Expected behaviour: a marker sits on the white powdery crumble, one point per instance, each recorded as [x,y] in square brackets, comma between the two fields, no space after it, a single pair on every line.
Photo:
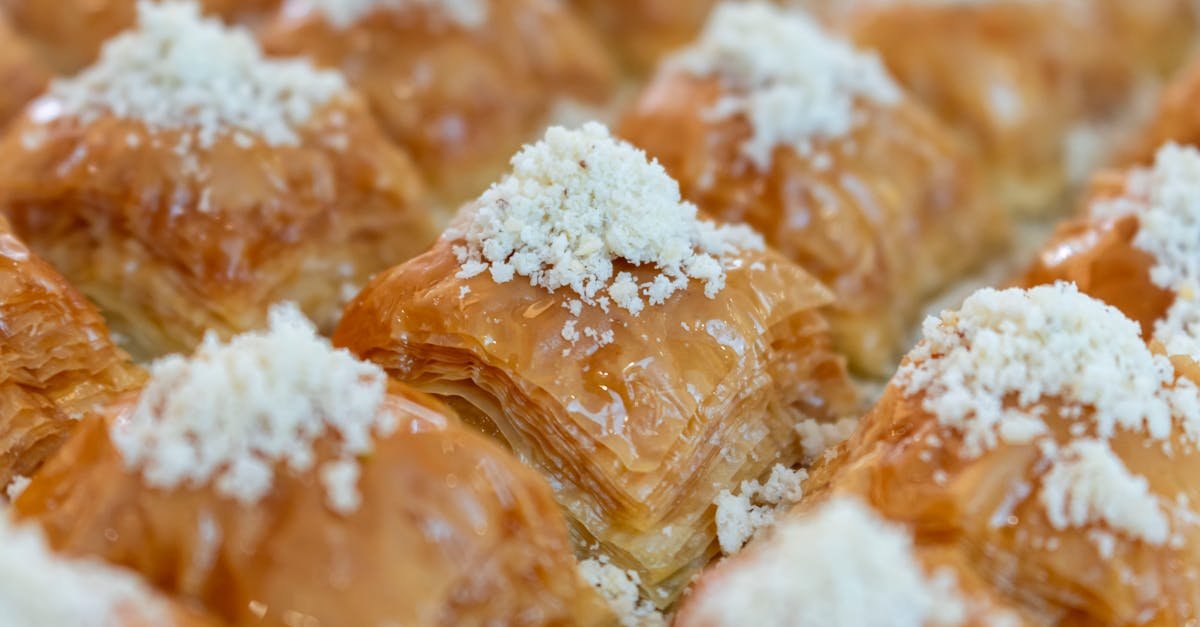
[841,565]
[741,516]
[791,80]
[985,369]
[343,14]
[41,589]
[232,412]
[817,438]
[1166,201]
[1089,484]
[578,201]
[180,71]
[619,588]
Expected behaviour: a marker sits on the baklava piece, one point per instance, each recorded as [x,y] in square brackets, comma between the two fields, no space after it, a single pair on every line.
[1042,457]
[643,31]
[69,34]
[461,84]
[186,183]
[57,363]
[41,589]
[768,120]
[1033,86]
[639,356]
[839,564]
[21,72]
[1136,247]
[276,481]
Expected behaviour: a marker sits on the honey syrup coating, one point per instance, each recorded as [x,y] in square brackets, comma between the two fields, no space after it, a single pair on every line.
[451,530]
[57,363]
[68,34]
[1097,253]
[644,31]
[459,97]
[885,216]
[1018,79]
[21,72]
[171,241]
[1088,521]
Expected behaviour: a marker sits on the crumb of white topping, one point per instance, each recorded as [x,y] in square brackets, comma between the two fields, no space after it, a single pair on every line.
[985,369]
[794,82]
[619,588]
[577,203]
[178,70]
[233,412]
[740,517]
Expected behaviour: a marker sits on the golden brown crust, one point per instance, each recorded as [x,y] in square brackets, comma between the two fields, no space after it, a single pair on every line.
[460,100]
[1097,253]
[896,214]
[57,363]
[68,34]
[451,531]
[643,31]
[629,431]
[986,512]
[172,242]
[1015,78]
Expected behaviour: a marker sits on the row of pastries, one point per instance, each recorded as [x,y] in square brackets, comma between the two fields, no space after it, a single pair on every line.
[294,330]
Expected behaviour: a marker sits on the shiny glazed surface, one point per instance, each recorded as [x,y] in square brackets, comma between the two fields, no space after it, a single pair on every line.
[451,531]
[1097,254]
[171,238]
[638,435]
[57,364]
[897,213]
[983,514]
[460,100]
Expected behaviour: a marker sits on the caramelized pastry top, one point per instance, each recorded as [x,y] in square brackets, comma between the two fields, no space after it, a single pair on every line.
[295,389]
[214,157]
[460,84]
[1035,440]
[274,476]
[1133,247]
[839,564]
[794,84]
[57,362]
[577,206]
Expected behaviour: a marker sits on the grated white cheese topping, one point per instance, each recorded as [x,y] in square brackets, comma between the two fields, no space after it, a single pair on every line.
[791,80]
[741,516]
[1166,200]
[841,565]
[343,14]
[41,589]
[230,413]
[985,368]
[16,487]
[818,438]
[178,70]
[579,200]
[619,588]
[1088,484]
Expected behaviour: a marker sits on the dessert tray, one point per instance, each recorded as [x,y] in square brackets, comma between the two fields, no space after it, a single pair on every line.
[833,313]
